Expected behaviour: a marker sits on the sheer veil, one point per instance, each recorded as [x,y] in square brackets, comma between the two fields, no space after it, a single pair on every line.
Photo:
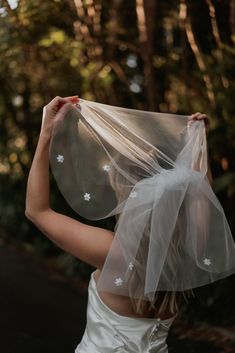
[149,169]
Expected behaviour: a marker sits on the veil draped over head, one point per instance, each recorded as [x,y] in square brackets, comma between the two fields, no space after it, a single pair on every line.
[149,169]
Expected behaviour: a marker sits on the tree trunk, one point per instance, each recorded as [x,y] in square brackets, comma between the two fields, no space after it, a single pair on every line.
[146,10]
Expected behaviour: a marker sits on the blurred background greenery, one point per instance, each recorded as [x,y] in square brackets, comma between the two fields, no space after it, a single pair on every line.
[169,56]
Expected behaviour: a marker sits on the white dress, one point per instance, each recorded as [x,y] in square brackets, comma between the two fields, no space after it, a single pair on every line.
[108,332]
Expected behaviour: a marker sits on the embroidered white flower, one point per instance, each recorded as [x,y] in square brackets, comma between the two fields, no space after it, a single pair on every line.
[87,196]
[131,266]
[60,158]
[118,281]
[106,167]
[207,262]
[133,194]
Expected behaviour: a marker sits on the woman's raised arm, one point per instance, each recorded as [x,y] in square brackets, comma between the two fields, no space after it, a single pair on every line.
[90,244]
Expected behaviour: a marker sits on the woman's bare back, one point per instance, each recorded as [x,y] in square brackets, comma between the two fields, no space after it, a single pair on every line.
[122,305]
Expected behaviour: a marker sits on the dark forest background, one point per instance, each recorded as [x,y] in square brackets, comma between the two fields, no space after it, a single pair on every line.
[172,56]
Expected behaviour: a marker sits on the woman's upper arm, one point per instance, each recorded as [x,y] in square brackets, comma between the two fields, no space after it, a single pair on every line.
[89,244]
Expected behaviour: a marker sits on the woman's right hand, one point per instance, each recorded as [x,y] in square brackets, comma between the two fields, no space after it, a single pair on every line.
[57,106]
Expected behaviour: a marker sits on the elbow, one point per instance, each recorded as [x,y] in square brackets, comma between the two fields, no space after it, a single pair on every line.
[33,215]
[29,214]
[28,210]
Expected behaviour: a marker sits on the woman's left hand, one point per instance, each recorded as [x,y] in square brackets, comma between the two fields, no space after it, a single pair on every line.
[51,110]
[199,116]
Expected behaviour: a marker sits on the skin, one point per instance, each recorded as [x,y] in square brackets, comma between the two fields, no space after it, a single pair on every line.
[87,243]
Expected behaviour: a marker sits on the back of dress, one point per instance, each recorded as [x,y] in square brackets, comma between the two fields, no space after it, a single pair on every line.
[106,331]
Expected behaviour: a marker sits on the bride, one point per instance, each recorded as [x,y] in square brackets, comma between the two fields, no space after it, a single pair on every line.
[116,322]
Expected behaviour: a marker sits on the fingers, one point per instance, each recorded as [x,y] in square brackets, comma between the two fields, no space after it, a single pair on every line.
[195,115]
[58,102]
[65,108]
[198,116]
[67,99]
[63,111]
[73,98]
[64,99]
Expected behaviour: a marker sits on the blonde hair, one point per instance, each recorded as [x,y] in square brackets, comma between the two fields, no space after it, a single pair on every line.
[164,301]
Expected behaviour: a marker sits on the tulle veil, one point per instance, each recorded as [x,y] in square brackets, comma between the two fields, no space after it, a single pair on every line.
[149,169]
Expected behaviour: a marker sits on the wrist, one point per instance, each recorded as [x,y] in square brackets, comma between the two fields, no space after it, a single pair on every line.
[45,134]
[46,126]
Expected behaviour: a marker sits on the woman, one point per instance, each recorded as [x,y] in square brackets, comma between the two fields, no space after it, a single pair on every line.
[113,323]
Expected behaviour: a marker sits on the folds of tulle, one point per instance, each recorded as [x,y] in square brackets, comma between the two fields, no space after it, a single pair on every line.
[149,169]
[179,239]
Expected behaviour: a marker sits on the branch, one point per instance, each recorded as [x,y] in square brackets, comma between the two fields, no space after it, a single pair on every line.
[82,28]
[145,12]
[196,51]
[141,21]
[216,34]
[118,71]
[214,26]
